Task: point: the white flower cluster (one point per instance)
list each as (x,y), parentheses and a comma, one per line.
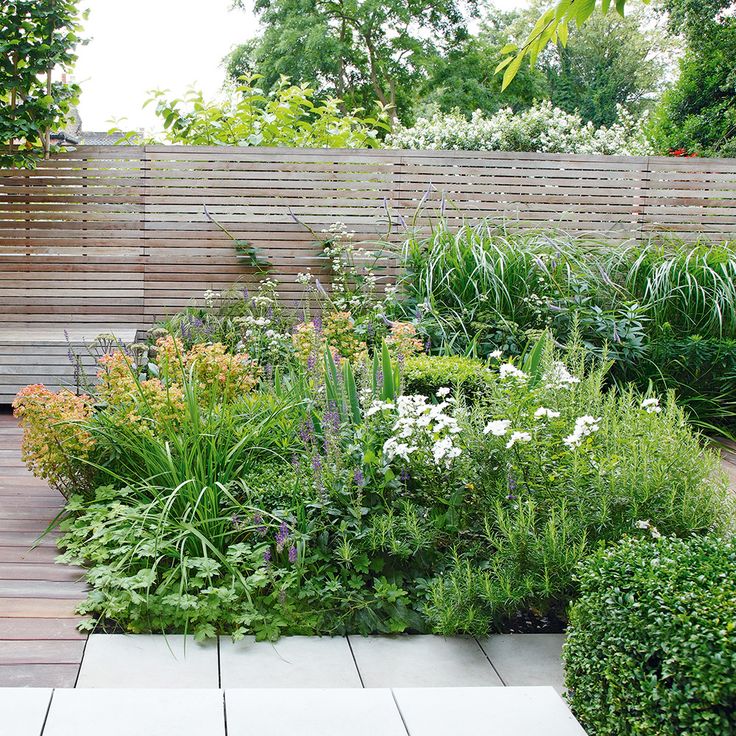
(651,406)
(646,524)
(541,128)
(420,425)
(584,426)
(543,412)
(498,427)
(559,377)
(509,370)
(210,297)
(518,437)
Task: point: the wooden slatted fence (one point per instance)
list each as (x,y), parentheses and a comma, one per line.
(105,238)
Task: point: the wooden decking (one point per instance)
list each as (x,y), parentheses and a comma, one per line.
(39,643)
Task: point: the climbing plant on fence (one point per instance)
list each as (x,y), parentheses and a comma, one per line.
(37,38)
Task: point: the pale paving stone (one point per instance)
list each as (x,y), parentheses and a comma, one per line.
(508,711)
(124,712)
(291,662)
(527,659)
(148,661)
(422,661)
(23,710)
(324,712)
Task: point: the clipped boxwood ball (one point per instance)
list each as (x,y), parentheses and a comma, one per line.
(651,648)
(424,374)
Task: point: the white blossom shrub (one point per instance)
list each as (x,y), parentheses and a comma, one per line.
(542,128)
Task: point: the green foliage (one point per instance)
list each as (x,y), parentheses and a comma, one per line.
(562,467)
(476,290)
(36,37)
(370,53)
(702,373)
(698,115)
(482,288)
(651,647)
(691,287)
(553,26)
(463,78)
(426,374)
(610,63)
(288,115)
(349,506)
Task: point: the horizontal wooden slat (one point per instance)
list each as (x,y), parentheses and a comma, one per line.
(119,236)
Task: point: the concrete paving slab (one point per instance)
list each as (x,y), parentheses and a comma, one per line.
(148,661)
(126,712)
(23,711)
(291,662)
(508,711)
(422,661)
(309,712)
(527,659)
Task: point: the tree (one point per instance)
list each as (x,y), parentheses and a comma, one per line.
(608,63)
(36,37)
(463,79)
(370,53)
(698,115)
(553,27)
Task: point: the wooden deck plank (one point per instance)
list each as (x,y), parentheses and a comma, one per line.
(41,652)
(40,645)
(38,675)
(40,629)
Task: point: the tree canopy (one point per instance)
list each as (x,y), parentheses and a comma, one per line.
(36,37)
(369,53)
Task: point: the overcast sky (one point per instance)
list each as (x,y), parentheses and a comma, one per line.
(139,45)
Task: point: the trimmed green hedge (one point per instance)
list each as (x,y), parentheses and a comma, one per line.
(652,645)
(425,374)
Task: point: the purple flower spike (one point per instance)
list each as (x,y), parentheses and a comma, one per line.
(292,554)
(281,536)
(260,526)
(316,464)
(267,556)
(359,478)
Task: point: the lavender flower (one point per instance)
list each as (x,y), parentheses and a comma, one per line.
(359,478)
(281,536)
(267,556)
(404,475)
(311,362)
(316,463)
(260,526)
(332,418)
(306,431)
(292,554)
(317,322)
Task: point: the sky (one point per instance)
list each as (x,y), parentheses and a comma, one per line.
(139,45)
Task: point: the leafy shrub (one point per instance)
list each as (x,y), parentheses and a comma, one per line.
(700,370)
(690,287)
(476,290)
(426,374)
(541,128)
(558,466)
(652,643)
(289,115)
(55,440)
